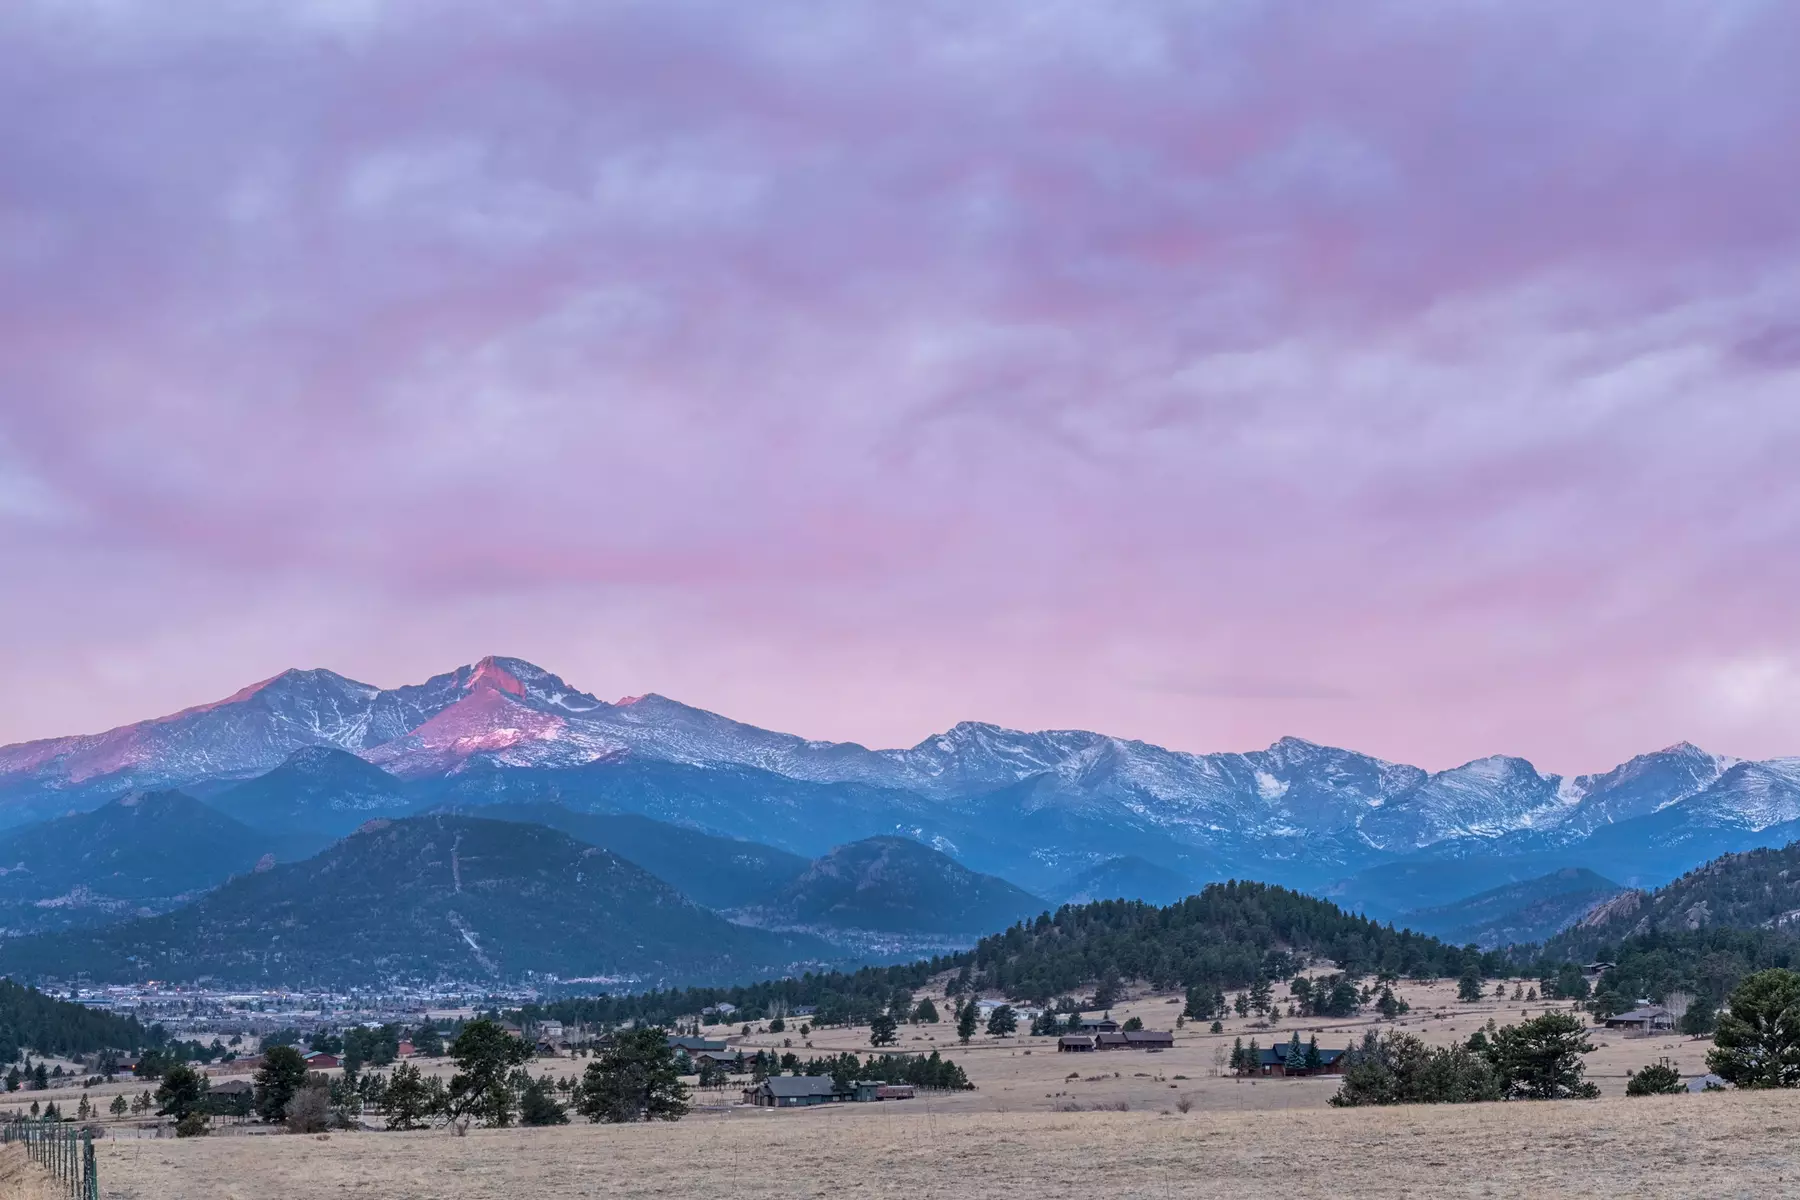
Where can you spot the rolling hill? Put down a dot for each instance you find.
(897, 885)
(713, 871)
(318, 792)
(144, 853)
(437, 897)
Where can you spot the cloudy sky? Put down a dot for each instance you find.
(1418, 377)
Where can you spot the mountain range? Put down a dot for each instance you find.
(309, 756)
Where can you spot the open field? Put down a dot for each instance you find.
(1718, 1145)
(1031, 1130)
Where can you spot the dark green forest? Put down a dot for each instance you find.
(30, 1020)
(1229, 936)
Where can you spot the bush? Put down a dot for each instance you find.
(1399, 1068)
(310, 1109)
(195, 1124)
(1657, 1079)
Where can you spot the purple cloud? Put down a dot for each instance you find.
(1418, 377)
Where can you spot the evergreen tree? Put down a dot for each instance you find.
(1468, 988)
(1314, 1060)
(633, 1080)
(1700, 1019)
(1237, 1057)
(1296, 1053)
(926, 1013)
(427, 1041)
(965, 1021)
(1758, 1040)
(119, 1105)
(485, 1055)
(183, 1091)
(1541, 1058)
(1218, 1027)
(408, 1098)
(1657, 1079)
(282, 1074)
(538, 1105)
(883, 1031)
(1003, 1022)
(1242, 1005)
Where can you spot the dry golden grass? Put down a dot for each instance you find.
(1717, 1145)
(22, 1179)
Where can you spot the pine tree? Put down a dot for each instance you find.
(1758, 1040)
(635, 1079)
(965, 1021)
(1003, 1022)
(883, 1031)
(119, 1105)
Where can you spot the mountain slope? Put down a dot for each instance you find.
(144, 852)
(318, 791)
(897, 885)
(1757, 889)
(713, 871)
(1516, 913)
(437, 897)
(1126, 877)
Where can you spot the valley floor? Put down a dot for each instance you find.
(1717, 1145)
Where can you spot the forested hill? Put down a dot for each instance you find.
(1700, 934)
(1759, 889)
(1226, 937)
(30, 1020)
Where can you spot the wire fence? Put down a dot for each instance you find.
(68, 1154)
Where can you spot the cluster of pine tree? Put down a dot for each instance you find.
(921, 1070)
(1228, 936)
(30, 1020)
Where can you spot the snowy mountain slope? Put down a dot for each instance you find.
(1034, 806)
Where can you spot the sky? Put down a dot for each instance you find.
(1417, 377)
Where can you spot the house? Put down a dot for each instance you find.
(694, 1045)
(318, 1060)
(793, 1091)
(803, 1010)
(405, 1050)
(1150, 1039)
(731, 1060)
(1111, 1041)
(1074, 1043)
(1642, 1020)
(1274, 1061)
(230, 1099)
(549, 1030)
(1099, 1025)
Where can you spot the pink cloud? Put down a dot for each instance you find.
(1412, 377)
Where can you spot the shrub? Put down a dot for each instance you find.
(194, 1124)
(1657, 1079)
(310, 1109)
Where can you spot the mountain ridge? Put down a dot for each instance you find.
(1296, 810)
